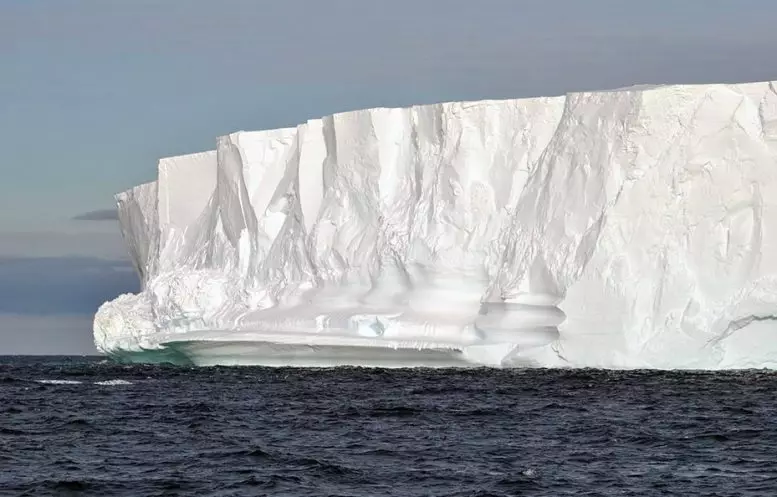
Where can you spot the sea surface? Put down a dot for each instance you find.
(81, 426)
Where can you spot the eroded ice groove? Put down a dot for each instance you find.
(626, 228)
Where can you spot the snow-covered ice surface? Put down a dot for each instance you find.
(621, 229)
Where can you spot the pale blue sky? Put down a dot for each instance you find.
(93, 92)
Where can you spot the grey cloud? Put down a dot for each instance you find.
(98, 215)
(46, 286)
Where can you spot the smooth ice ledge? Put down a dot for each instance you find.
(622, 229)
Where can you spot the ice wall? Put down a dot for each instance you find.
(630, 228)
(138, 220)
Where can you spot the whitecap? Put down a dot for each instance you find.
(113, 382)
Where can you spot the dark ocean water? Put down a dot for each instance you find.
(155, 430)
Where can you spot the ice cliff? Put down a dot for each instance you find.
(628, 228)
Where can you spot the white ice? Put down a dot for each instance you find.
(620, 229)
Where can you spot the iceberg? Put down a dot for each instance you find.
(633, 228)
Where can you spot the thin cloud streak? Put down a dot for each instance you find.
(98, 215)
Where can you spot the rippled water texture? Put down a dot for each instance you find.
(86, 427)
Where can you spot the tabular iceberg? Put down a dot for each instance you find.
(621, 229)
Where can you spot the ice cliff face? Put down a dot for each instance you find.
(631, 228)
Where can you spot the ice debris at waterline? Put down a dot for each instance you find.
(620, 229)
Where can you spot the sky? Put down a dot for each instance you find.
(94, 92)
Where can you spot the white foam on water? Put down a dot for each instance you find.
(113, 382)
